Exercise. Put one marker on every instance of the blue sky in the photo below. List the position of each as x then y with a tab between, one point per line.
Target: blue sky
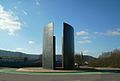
96	24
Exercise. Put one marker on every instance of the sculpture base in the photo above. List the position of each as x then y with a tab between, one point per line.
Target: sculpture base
43	70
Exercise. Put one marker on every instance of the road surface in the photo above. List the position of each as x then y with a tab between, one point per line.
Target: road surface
9	74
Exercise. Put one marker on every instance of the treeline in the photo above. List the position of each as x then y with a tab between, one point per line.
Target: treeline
107	59
81	60
19	59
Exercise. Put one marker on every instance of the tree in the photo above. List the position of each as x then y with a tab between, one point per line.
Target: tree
25	59
0	57
108	59
82	58
78	59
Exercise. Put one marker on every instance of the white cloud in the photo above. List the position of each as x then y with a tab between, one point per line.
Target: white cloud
86	52
24	12
115	32
84	41
81	33
20	49
37	2
15	7
118	29
31	42
8	22
86	37
96	32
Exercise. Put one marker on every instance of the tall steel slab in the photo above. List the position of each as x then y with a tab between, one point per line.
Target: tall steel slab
48	57
68	46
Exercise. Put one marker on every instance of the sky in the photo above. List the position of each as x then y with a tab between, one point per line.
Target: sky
96	24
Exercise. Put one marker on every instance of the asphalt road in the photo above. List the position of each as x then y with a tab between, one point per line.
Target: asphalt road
89	77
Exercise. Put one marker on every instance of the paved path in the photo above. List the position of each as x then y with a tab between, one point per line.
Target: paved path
92	77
